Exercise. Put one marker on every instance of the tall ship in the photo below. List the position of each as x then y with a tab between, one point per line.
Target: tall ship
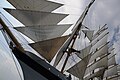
51	46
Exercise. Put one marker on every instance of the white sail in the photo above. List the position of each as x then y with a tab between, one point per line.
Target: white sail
111	57
111	60
110	72
100	36
31	18
100	31
97	64
111	53
115	78
99	43
78	69
36	5
49	48
95	74
102	51
118	68
88	33
110	48
61	52
84	52
43	32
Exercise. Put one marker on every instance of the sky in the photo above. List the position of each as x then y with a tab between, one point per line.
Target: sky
102	12
107	12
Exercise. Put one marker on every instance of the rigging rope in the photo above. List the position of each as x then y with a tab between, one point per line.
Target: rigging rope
73	59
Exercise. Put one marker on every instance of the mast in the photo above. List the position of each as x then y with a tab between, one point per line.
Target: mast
91	67
75	32
68	54
10	34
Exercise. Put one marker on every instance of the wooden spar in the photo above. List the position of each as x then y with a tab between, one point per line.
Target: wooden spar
68	54
75	32
10	34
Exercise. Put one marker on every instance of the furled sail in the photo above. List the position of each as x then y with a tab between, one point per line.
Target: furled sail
31	18
88	33
78	69
43	32
61	51
49	48
84	52
36	5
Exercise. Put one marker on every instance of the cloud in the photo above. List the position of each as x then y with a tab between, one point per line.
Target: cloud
106	12
116	34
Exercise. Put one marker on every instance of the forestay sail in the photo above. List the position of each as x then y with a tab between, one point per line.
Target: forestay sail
49	48
78	69
41	25
32	18
43	32
36	5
